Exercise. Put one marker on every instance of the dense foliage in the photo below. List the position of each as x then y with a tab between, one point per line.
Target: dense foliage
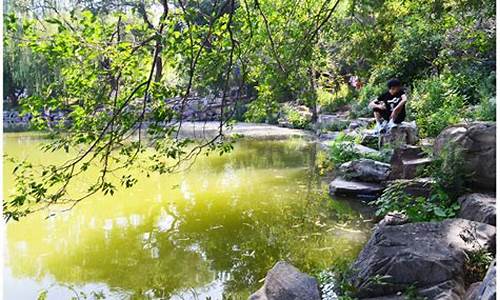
443	51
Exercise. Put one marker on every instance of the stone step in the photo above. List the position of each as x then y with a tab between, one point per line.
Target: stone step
418	187
343	187
410	167
401	154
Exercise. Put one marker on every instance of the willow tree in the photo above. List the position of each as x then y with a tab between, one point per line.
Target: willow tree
125	111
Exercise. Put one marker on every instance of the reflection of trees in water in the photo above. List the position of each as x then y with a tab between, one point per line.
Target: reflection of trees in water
264	154
247	241
168	249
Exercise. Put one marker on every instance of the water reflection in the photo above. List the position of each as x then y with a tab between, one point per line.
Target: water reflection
213	231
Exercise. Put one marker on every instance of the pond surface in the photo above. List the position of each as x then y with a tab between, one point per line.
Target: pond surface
211	232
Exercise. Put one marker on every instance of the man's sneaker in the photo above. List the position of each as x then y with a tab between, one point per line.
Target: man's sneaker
381	127
391	124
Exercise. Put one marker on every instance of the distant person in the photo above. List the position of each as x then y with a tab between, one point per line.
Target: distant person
389	108
356	82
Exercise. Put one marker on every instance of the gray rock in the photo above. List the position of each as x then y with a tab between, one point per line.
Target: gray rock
472	291
361	122
394	218
285	282
333	122
487	289
478	142
401	134
429	256
478	207
364	150
342	187
367	170
370	139
396	136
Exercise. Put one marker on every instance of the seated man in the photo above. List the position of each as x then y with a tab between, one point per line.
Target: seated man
389	107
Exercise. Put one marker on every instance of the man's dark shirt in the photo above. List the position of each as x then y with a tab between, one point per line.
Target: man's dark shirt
391	101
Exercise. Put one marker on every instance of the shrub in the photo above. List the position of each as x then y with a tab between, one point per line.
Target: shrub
435	104
366	94
448	171
264	109
476	265
486	110
344	149
292	115
332	101
418	209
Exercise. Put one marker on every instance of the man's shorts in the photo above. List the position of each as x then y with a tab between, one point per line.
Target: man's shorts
386	114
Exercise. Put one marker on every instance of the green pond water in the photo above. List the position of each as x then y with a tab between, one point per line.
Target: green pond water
211	232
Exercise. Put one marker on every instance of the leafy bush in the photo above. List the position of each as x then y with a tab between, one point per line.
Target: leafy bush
435	104
418	209
295	118
264	109
366	94
476	265
448	171
486	110
344	149
331	102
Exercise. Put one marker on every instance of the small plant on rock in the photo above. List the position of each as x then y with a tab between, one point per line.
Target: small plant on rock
344	149
476	265
418	209
448	181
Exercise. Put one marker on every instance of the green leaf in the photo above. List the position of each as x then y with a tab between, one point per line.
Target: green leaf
439	211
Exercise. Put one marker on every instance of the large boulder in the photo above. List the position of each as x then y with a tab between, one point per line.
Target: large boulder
367	170
428	256
401	134
477	140
478	207
342	187
405	133
285	282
